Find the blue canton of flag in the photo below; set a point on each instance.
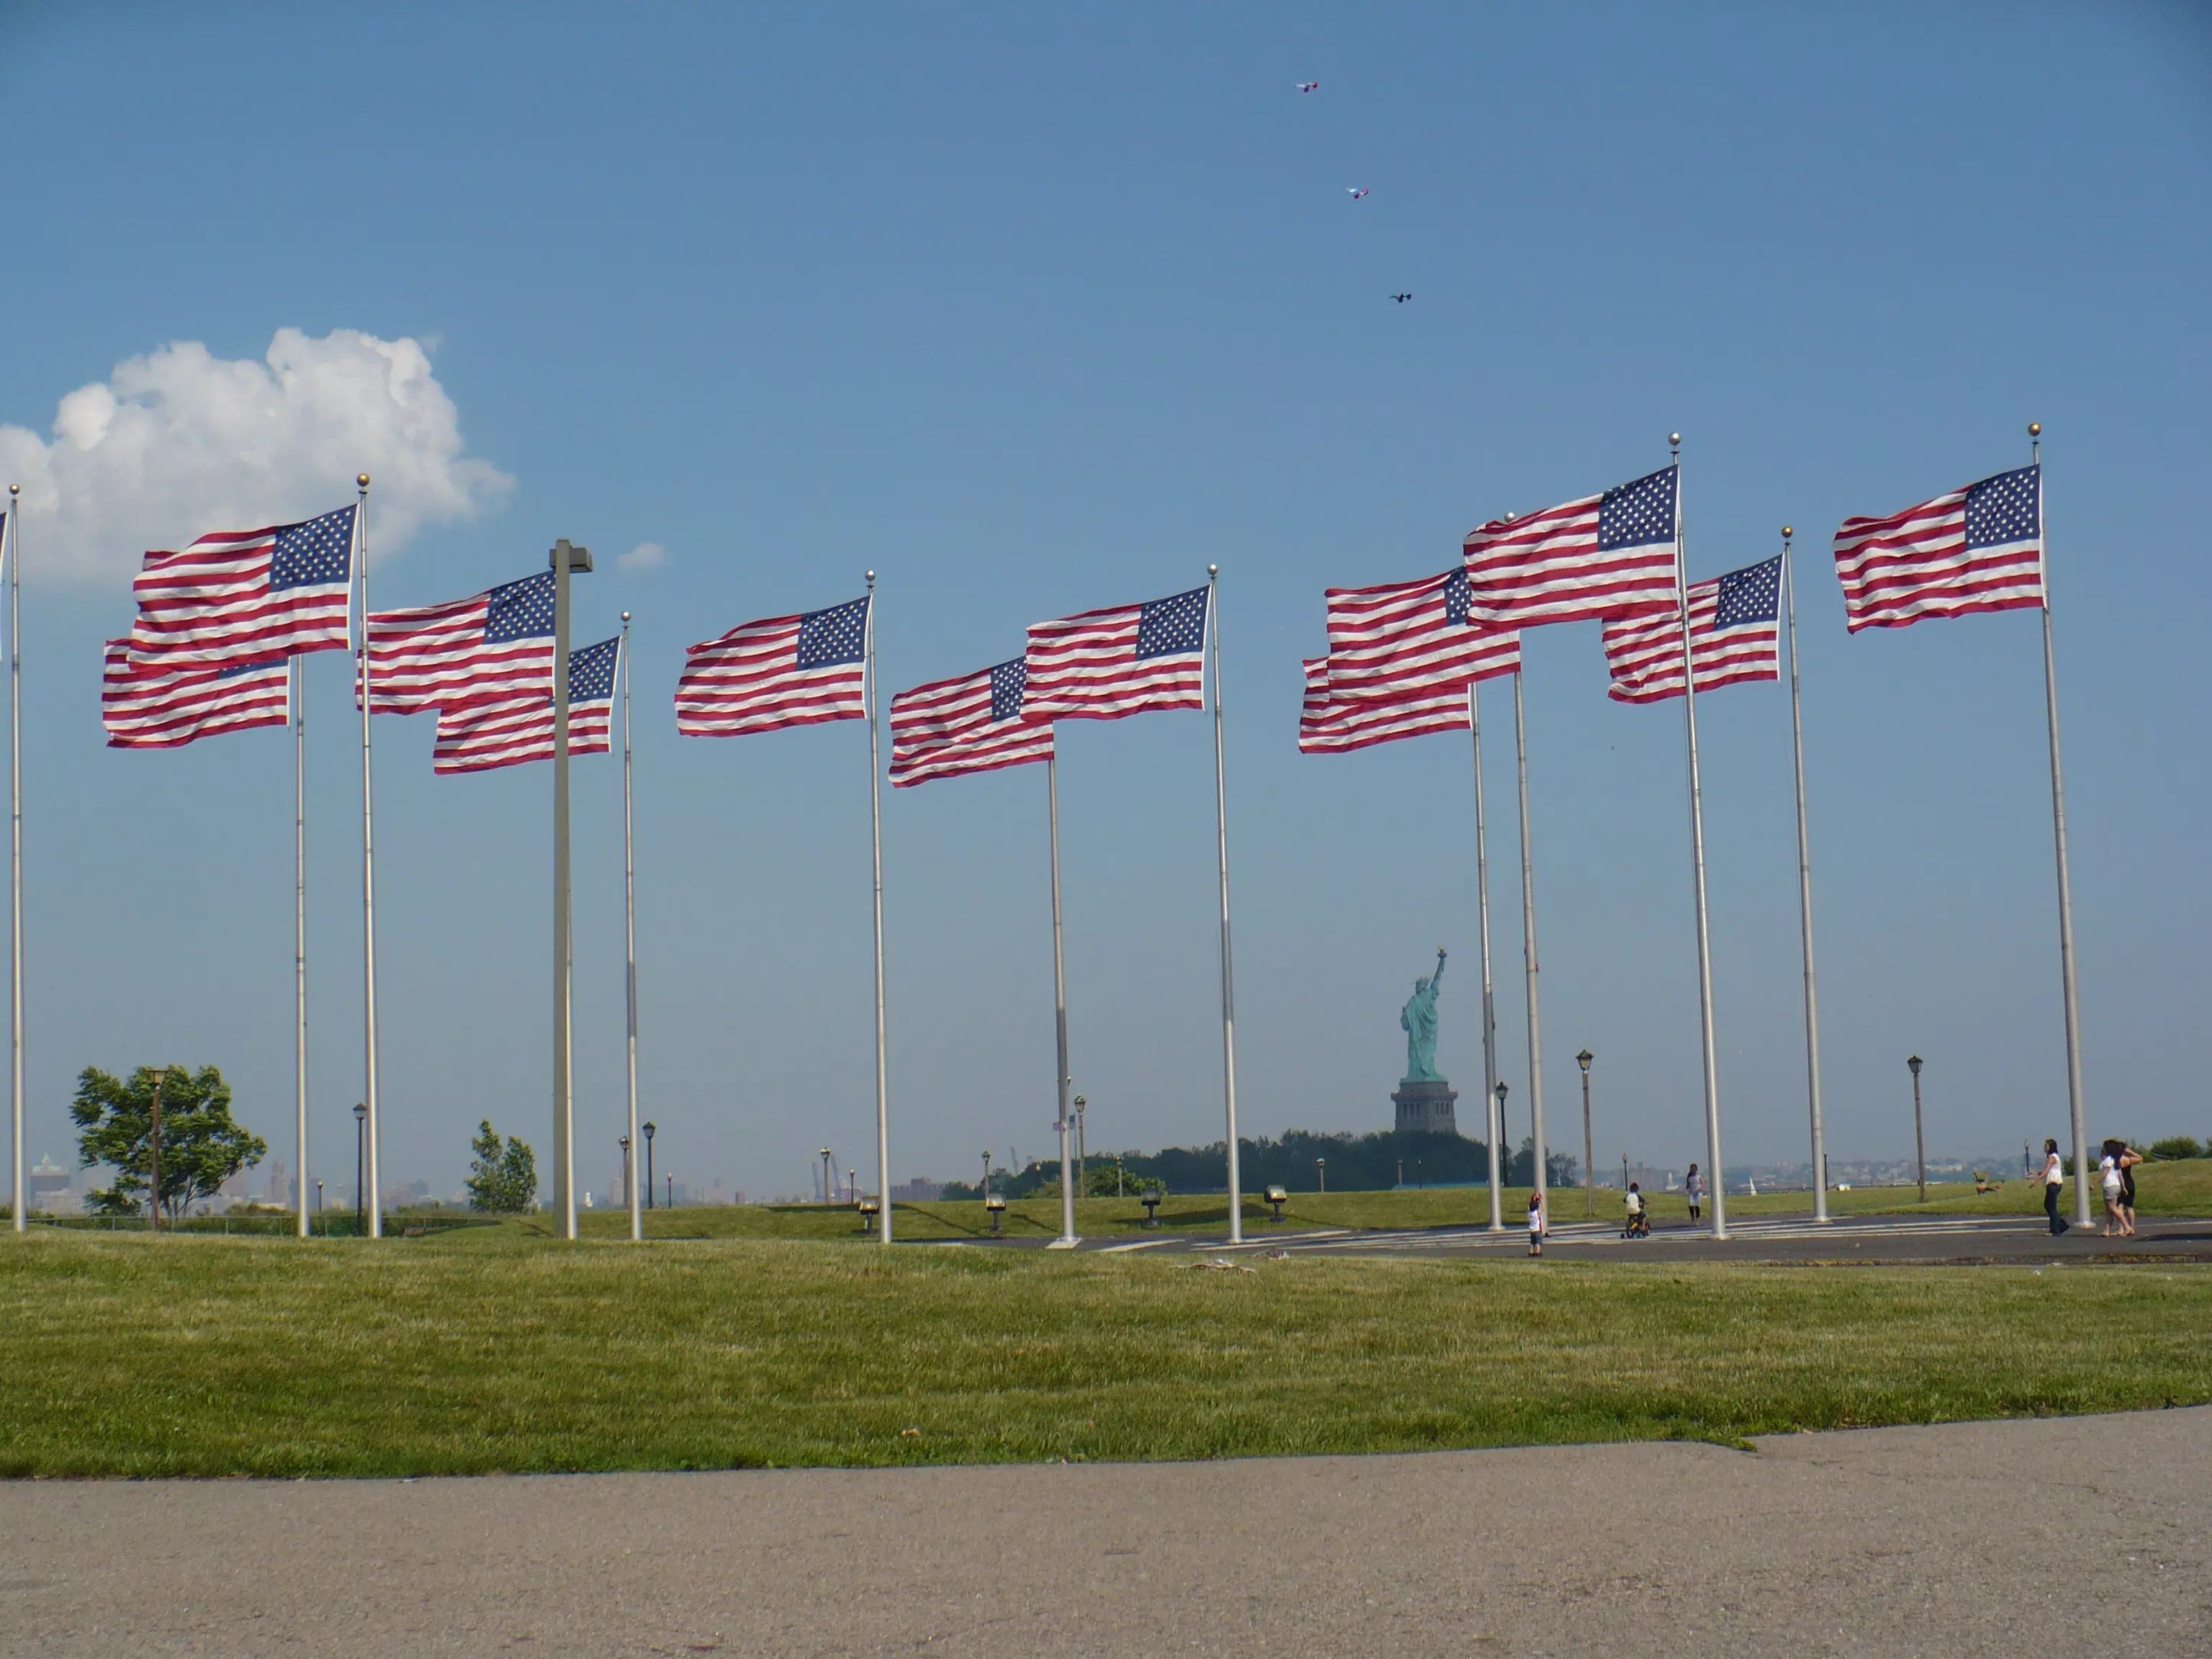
(837, 634)
(1455, 596)
(1172, 625)
(592, 672)
(320, 550)
(1638, 514)
(2004, 510)
(1008, 681)
(521, 611)
(1753, 594)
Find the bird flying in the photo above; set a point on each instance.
(1355, 194)
(1308, 86)
(1402, 298)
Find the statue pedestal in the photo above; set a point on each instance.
(1426, 1106)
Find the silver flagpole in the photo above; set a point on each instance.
(1067, 1240)
(1529, 952)
(1805, 900)
(876, 825)
(1228, 960)
(2083, 1164)
(629, 939)
(1698, 859)
(1489, 1113)
(14, 550)
(297, 690)
(375, 1205)
(565, 559)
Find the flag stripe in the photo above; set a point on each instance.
(1331, 728)
(167, 708)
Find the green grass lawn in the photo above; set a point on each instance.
(496, 1349)
(2179, 1189)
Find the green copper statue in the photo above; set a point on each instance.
(1418, 1021)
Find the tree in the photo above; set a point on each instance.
(201, 1146)
(2175, 1147)
(502, 1179)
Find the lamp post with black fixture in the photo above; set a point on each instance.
(1919, 1143)
(628, 1176)
(360, 1156)
(1503, 1137)
(1080, 1147)
(647, 1129)
(1589, 1164)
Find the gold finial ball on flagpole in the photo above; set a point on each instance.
(15, 490)
(871, 575)
(1787, 532)
(2035, 429)
(362, 480)
(625, 616)
(1213, 570)
(1673, 440)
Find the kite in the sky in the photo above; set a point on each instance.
(1355, 194)
(1308, 86)
(1402, 298)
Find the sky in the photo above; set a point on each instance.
(1036, 310)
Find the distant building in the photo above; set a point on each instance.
(917, 1191)
(49, 1188)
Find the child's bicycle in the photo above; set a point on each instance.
(1638, 1225)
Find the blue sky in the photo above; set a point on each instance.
(1035, 310)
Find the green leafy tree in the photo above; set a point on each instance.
(2174, 1147)
(502, 1179)
(201, 1146)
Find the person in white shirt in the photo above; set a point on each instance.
(2054, 1179)
(2108, 1176)
(1637, 1223)
(1536, 1224)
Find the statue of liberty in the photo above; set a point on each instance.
(1417, 1019)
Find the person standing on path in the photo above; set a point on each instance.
(1693, 1184)
(2128, 1159)
(2053, 1179)
(1536, 1224)
(2108, 1177)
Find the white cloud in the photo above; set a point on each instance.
(180, 442)
(646, 556)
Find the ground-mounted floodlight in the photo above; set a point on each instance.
(996, 1204)
(1152, 1202)
(870, 1207)
(1278, 1197)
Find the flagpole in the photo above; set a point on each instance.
(1068, 1240)
(296, 690)
(375, 1205)
(565, 559)
(2082, 1162)
(1228, 960)
(1490, 1113)
(629, 937)
(1529, 952)
(876, 825)
(1805, 900)
(15, 847)
(1698, 859)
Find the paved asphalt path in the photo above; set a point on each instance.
(1911, 1239)
(2089, 1535)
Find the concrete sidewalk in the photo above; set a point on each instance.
(2085, 1535)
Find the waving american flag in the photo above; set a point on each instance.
(491, 647)
(782, 671)
(949, 728)
(1732, 638)
(480, 736)
(1604, 555)
(169, 707)
(1130, 659)
(247, 595)
(1976, 549)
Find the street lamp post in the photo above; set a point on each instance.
(828, 1180)
(1501, 1119)
(1919, 1142)
(852, 1185)
(987, 1174)
(1590, 1164)
(1320, 1173)
(629, 1178)
(1081, 1148)
(154, 1180)
(647, 1128)
(359, 1154)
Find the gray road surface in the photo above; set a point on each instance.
(2085, 1535)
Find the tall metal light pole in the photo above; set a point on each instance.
(648, 1131)
(1805, 898)
(366, 1109)
(565, 559)
(1228, 962)
(14, 552)
(1062, 1125)
(1482, 916)
(629, 940)
(1589, 1166)
(1919, 1142)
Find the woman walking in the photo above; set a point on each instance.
(2054, 1179)
(1693, 1185)
(2108, 1177)
(2128, 1159)
(1536, 1224)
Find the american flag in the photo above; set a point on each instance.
(1733, 626)
(1411, 636)
(1604, 555)
(949, 728)
(785, 671)
(1129, 660)
(480, 736)
(1976, 549)
(493, 647)
(247, 595)
(1327, 726)
(169, 707)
